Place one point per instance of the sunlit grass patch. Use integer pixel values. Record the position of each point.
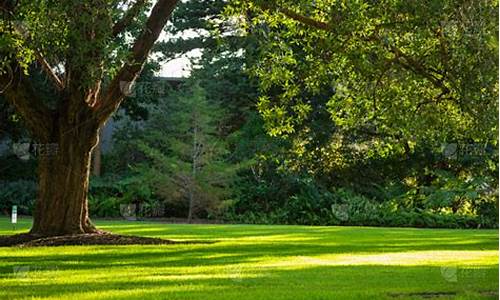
(259, 262)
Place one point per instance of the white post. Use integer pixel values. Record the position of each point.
(14, 216)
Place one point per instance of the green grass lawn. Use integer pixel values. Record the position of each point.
(259, 262)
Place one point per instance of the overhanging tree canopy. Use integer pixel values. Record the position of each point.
(416, 70)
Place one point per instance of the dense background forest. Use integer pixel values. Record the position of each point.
(272, 131)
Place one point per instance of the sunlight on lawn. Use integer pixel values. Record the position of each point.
(418, 258)
(258, 262)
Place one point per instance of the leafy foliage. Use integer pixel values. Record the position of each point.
(418, 71)
(21, 193)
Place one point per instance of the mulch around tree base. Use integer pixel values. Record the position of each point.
(101, 238)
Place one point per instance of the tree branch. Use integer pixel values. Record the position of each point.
(131, 13)
(305, 20)
(118, 88)
(41, 60)
(402, 59)
(416, 67)
(297, 17)
(49, 71)
(19, 92)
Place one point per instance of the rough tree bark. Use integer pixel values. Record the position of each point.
(63, 180)
(72, 128)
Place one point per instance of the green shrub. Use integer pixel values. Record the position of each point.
(21, 193)
(109, 192)
(314, 206)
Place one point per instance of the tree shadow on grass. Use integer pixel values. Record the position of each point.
(255, 262)
(218, 254)
(390, 237)
(310, 282)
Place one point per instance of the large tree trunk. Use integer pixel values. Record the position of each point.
(63, 173)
